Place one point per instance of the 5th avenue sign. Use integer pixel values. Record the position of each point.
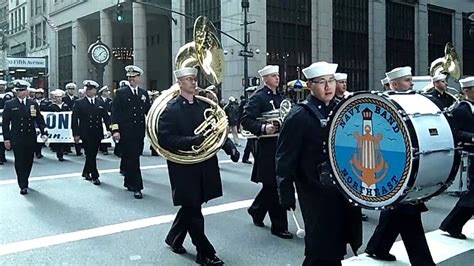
(26, 62)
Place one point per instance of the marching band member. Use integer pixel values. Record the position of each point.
(58, 105)
(129, 107)
(177, 123)
(464, 128)
(330, 221)
(70, 100)
(4, 97)
(87, 117)
(20, 116)
(263, 100)
(439, 92)
(404, 219)
(341, 85)
(249, 145)
(385, 84)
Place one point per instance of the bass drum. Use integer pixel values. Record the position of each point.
(391, 148)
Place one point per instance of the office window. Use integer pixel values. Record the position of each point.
(400, 30)
(468, 48)
(439, 32)
(38, 40)
(208, 8)
(44, 28)
(350, 41)
(65, 56)
(288, 37)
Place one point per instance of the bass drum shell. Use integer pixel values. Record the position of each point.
(390, 148)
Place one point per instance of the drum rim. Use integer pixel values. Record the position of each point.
(408, 130)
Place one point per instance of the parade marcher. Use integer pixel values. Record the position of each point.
(57, 105)
(385, 84)
(341, 85)
(464, 128)
(250, 144)
(104, 94)
(43, 105)
(70, 99)
(117, 144)
(129, 107)
(439, 92)
(330, 221)
(266, 99)
(87, 117)
(4, 97)
(20, 116)
(404, 219)
(191, 184)
(31, 93)
(232, 111)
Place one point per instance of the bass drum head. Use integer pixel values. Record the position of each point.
(370, 151)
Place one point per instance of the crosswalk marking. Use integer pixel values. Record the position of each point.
(441, 246)
(78, 174)
(36, 243)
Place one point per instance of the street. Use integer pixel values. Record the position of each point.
(67, 220)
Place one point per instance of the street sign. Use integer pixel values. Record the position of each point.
(245, 53)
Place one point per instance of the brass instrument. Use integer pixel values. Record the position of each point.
(275, 117)
(448, 65)
(205, 52)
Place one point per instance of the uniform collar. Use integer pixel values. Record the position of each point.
(320, 104)
(267, 90)
(184, 101)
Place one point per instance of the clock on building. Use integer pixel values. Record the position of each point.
(99, 53)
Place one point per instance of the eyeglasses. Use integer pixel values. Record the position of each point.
(190, 79)
(323, 82)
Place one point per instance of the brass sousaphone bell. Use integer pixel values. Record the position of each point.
(206, 53)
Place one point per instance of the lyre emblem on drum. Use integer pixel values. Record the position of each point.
(368, 159)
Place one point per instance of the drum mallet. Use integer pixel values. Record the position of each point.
(300, 232)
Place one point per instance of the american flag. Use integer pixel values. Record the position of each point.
(51, 24)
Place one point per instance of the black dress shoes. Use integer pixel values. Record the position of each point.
(247, 161)
(282, 234)
(176, 249)
(256, 222)
(381, 256)
(457, 235)
(87, 177)
(203, 260)
(4, 160)
(138, 194)
(61, 159)
(39, 156)
(96, 181)
(23, 191)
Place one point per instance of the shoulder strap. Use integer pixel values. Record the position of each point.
(469, 104)
(314, 111)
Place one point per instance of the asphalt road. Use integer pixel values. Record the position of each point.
(67, 220)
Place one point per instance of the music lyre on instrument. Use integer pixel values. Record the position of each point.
(300, 232)
(205, 52)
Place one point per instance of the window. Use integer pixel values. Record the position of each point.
(65, 56)
(208, 8)
(38, 40)
(468, 47)
(350, 41)
(439, 32)
(289, 36)
(44, 28)
(400, 30)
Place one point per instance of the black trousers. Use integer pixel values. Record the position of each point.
(248, 149)
(24, 153)
(104, 147)
(309, 261)
(39, 148)
(2, 152)
(409, 226)
(91, 147)
(267, 201)
(59, 148)
(457, 218)
(190, 220)
(130, 162)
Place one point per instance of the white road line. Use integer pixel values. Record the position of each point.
(36, 243)
(441, 246)
(78, 174)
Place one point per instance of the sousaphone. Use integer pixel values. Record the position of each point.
(206, 53)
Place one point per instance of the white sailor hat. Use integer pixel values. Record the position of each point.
(133, 71)
(231, 99)
(268, 70)
(439, 77)
(3, 82)
(185, 71)
(71, 86)
(398, 72)
(21, 84)
(467, 82)
(124, 83)
(340, 76)
(384, 81)
(319, 69)
(104, 88)
(90, 84)
(81, 91)
(29, 89)
(57, 92)
(40, 90)
(251, 89)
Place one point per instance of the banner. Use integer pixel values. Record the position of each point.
(59, 127)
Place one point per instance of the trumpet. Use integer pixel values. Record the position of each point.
(274, 117)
